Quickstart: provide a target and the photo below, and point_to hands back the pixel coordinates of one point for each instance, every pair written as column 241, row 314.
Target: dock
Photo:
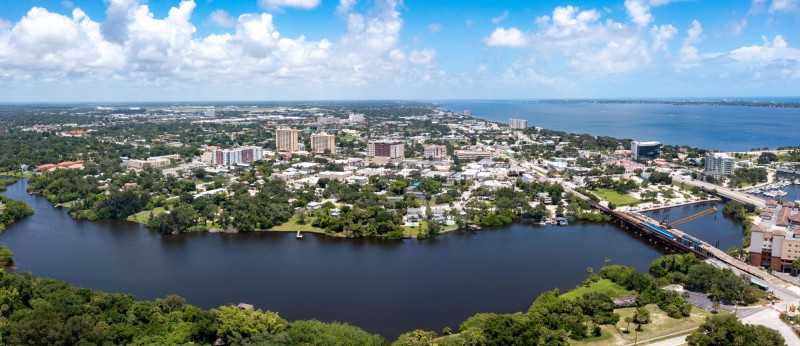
column 299, row 235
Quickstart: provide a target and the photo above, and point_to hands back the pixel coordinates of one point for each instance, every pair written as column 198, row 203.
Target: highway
column 721, row 190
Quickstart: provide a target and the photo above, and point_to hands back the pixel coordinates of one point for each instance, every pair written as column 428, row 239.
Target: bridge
column 723, row 191
column 674, row 238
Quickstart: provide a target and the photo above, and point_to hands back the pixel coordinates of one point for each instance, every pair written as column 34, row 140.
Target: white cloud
column 5, row 25
column 502, row 37
column 689, row 54
column 435, row 27
column 135, row 48
column 638, row 11
column 275, row 4
column 345, row 6
column 500, row 18
column 589, row 44
column 67, row 4
column 784, row 6
column 222, row 18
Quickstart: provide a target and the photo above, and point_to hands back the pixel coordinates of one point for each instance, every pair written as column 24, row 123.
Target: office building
column 323, row 141
column 383, row 151
column 517, row 124
column 436, row 152
column 286, row 139
column 719, row 164
column 645, row 150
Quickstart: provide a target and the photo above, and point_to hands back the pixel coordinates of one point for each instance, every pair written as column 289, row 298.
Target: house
column 412, row 217
column 624, row 302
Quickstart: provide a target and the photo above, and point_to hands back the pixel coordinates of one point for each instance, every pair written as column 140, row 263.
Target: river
column 385, row 287
column 727, row 128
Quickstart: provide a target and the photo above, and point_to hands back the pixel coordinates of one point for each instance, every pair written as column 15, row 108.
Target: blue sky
column 136, row 50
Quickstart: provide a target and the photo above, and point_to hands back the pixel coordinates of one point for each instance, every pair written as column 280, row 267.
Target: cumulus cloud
column 5, row 25
column 222, row 18
column 689, row 54
column 502, row 37
column 275, row 4
column 134, row 47
column 435, row 27
column 638, row 11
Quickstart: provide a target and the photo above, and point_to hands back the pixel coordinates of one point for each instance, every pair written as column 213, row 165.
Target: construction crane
column 666, row 224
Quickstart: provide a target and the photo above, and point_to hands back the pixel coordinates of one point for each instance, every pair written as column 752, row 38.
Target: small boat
column 299, row 235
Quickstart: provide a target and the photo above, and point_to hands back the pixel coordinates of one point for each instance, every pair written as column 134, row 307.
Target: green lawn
column 17, row 174
column 660, row 327
column 600, row 286
column 293, row 226
column 143, row 216
column 348, row 138
column 410, row 231
column 615, row 197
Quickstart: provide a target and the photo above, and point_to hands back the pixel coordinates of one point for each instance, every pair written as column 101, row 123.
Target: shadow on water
column 386, row 287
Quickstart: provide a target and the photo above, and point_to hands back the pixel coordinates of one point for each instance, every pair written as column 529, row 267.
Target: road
column 771, row 319
column 721, row 190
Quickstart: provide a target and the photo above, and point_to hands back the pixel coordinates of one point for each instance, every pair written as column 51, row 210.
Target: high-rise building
column 286, row 139
column 719, row 164
column 323, row 141
column 436, row 152
column 386, row 150
column 235, row 156
column 516, row 124
column 645, row 150
column 467, row 113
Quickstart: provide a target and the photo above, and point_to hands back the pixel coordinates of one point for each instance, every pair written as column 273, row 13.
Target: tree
column 6, row 257
column 235, row 323
column 640, row 317
column 728, row 330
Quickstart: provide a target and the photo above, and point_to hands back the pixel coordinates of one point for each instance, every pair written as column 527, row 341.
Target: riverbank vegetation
column 12, row 210
column 45, row 311
column 6, row 257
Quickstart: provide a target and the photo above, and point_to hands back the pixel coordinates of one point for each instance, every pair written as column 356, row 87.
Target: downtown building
column 436, row 152
column 385, row 151
column 517, row 124
column 645, row 150
column 719, row 164
column 236, row 156
column 286, row 139
column 323, row 141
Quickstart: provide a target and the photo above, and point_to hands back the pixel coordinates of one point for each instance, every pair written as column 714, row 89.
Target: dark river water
column 385, row 287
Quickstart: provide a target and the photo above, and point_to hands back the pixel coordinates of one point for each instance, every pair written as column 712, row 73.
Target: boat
column 299, row 235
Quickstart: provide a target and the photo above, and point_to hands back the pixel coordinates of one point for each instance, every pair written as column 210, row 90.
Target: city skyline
column 131, row 50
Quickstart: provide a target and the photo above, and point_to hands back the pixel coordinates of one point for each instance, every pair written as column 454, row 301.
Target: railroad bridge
column 672, row 238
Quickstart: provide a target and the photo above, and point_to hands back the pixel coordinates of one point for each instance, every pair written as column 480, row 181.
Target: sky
column 265, row 50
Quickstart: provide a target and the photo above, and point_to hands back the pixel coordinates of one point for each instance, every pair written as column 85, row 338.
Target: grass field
column 660, row 327
column 17, row 174
column 410, row 231
column 600, row 286
column 615, row 197
column 143, row 216
column 293, row 226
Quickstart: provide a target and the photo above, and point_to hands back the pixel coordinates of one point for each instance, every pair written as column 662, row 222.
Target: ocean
column 715, row 127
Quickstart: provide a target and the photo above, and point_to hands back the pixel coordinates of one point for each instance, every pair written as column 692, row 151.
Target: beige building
column 436, row 152
column 286, row 139
column 385, row 151
column 323, row 141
